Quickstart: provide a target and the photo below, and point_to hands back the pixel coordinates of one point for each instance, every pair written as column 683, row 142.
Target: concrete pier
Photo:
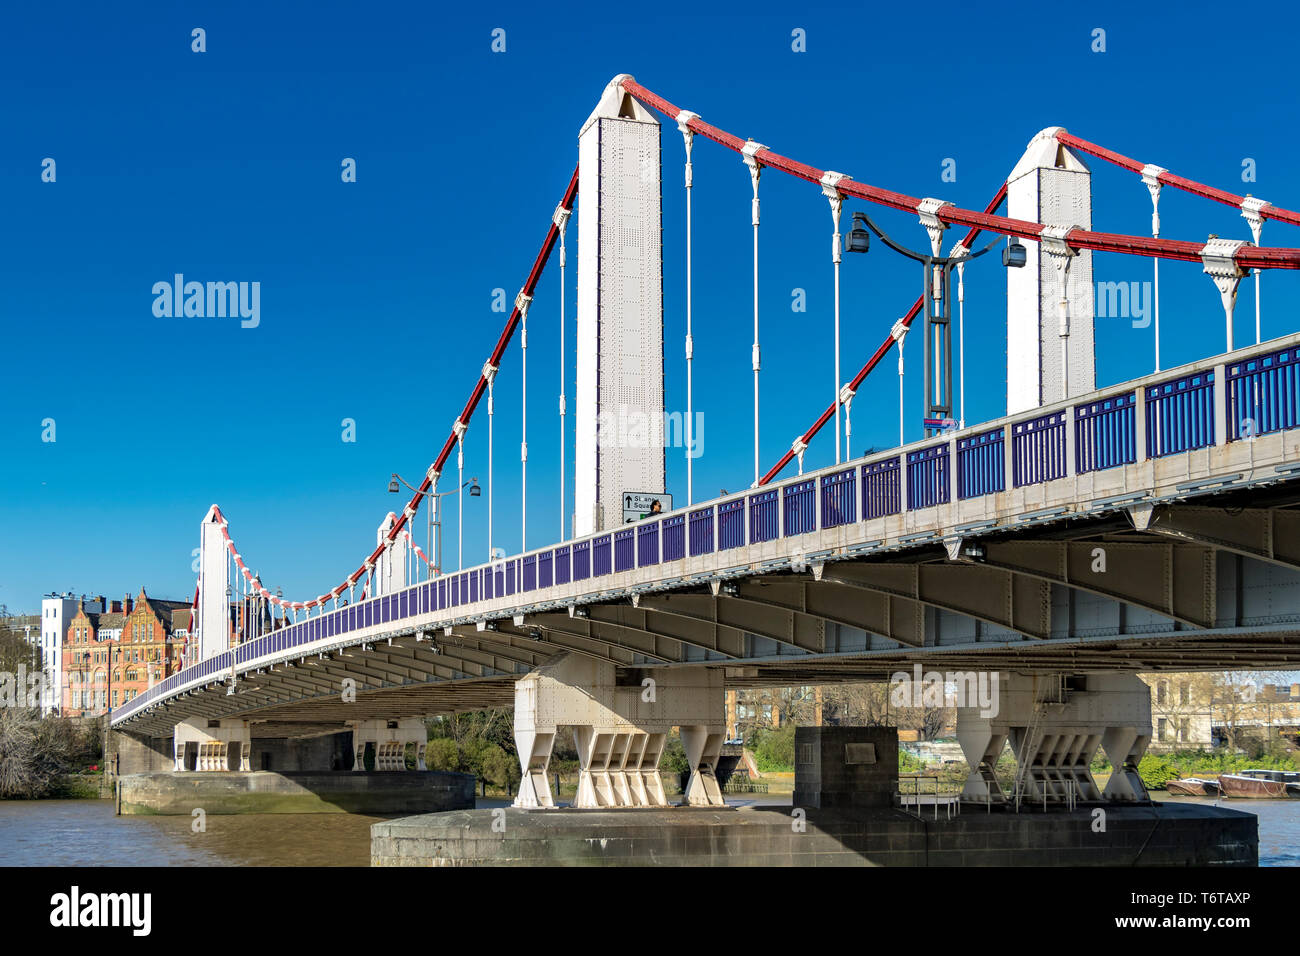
column 844, row 813
column 1157, row 835
column 171, row 793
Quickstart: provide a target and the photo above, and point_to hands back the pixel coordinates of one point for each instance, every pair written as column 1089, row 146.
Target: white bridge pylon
column 619, row 415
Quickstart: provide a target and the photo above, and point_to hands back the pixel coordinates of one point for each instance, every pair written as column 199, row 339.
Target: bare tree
column 34, row 752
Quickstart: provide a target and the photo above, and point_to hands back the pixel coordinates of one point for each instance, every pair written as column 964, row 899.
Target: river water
column 86, row 833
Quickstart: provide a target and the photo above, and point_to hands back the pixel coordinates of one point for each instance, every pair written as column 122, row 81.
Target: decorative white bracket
column 750, row 154
column 1151, row 177
column 688, row 137
column 830, row 181
column 927, row 211
column 799, row 446
column 1054, row 244
column 1219, row 262
column 1250, row 211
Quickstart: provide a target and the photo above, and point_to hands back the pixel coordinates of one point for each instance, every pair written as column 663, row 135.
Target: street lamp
column 1014, row 255
column 859, row 240
column 474, row 492
column 936, row 297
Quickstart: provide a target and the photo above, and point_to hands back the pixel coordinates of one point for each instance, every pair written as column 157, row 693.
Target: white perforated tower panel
column 1051, row 185
column 619, row 415
column 390, row 569
column 214, row 578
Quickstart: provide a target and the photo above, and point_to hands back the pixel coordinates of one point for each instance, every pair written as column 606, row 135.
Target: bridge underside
column 1187, row 586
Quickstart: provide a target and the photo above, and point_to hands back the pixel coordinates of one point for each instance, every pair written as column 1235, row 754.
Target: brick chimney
column 127, row 603
column 1295, row 690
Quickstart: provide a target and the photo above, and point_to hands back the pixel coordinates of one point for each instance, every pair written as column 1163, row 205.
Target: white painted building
column 57, row 610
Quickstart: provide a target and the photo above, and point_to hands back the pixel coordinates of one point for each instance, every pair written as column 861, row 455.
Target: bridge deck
column 813, row 577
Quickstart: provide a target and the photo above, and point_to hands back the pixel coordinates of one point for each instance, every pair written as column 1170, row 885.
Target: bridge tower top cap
column 1046, row 152
column 617, row 103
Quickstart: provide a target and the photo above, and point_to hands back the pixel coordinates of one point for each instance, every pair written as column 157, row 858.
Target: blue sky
column 376, row 295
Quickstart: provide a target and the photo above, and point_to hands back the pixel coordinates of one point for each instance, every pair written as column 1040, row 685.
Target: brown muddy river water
column 86, row 833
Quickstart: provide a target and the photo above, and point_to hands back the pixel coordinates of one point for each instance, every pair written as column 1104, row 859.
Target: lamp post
column 435, row 520
column 937, row 300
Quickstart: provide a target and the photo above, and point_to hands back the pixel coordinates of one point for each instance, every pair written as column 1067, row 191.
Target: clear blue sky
column 376, row 295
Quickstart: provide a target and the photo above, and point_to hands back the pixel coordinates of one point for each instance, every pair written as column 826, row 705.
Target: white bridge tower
column 1050, row 352
column 619, row 416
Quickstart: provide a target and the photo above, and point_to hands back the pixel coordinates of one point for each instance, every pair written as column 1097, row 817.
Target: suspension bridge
column 1090, row 531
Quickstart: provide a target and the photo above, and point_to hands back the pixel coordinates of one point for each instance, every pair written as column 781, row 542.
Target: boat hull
column 1251, row 788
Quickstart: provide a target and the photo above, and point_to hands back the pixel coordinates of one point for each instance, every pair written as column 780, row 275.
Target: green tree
column 673, row 759
column 1156, row 771
column 441, row 754
column 909, row 763
column 775, row 750
column 499, row 768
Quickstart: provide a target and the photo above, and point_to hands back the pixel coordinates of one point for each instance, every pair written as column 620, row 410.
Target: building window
column 1162, row 694
column 1184, row 693
column 1163, row 730
column 1183, row 729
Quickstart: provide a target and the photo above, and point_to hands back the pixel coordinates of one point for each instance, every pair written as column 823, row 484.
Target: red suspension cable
column 1247, row 257
column 1179, row 182
column 534, row 275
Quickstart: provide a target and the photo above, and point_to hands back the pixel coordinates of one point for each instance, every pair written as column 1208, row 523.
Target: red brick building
column 110, row 658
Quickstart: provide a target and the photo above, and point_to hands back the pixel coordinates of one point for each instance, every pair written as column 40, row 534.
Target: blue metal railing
column 799, row 507
column 880, row 489
column 1263, row 394
column 981, row 467
column 1038, row 450
column 625, row 549
column 1180, row 415
column 927, row 477
column 764, row 519
column 701, row 529
column 647, row 544
column 839, row 498
column 731, row 524
column 600, row 556
column 1105, row 433
column 674, row 533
